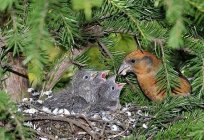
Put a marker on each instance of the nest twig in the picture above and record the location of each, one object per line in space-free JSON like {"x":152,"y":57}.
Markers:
{"x":63,"y":119}
{"x":77,"y":126}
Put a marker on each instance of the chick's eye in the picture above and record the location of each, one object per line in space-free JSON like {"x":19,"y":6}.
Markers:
{"x":132,"y":61}
{"x":112,"y":88}
{"x":86,"y":77}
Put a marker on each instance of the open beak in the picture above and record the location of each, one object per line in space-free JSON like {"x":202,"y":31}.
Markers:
{"x":120,"y":85}
{"x":104,"y":74}
{"x":124,"y":68}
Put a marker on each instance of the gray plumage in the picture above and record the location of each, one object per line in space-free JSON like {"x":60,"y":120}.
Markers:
{"x":76,"y":104}
{"x":82,"y":91}
{"x":108,"y":97}
{"x":57,"y":101}
{"x":82,"y":77}
{"x":88,"y":90}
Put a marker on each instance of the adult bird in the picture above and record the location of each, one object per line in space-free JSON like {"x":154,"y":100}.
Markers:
{"x":146,"y":66}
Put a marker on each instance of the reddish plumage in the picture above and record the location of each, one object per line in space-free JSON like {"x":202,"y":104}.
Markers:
{"x":145,"y":66}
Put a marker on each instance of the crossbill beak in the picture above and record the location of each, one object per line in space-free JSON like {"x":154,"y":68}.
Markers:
{"x":124,"y":68}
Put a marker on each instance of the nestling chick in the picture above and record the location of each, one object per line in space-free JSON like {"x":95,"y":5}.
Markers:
{"x":71,"y":103}
{"x":76,"y":104}
{"x":145,"y":66}
{"x":82,"y":76}
{"x":83,"y":88}
{"x":108,"y":96}
{"x":88,"y":88}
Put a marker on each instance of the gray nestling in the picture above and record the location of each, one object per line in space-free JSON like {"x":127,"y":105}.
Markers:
{"x":108,"y":96}
{"x":82,"y":91}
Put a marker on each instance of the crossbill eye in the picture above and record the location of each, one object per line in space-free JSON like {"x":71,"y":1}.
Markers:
{"x":132,"y":61}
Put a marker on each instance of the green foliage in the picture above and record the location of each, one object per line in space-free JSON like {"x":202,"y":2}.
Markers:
{"x":6,"y":4}
{"x":167,"y":73}
{"x":191,"y":127}
{"x":44,"y":32}
{"x":86,"y":5}
{"x":67,"y":23}
{"x":118,"y":46}
{"x":11,"y":120}
{"x":197,"y":70}
{"x":174,"y":14}
{"x":171,"y":119}
{"x":14,"y":39}
{"x":16,"y":31}
{"x":39,"y":41}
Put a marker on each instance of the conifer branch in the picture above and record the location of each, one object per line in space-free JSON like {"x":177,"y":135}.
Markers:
{"x":165,"y":68}
{"x":121,"y":6}
{"x":18,"y":125}
{"x":198,"y":5}
{"x":202,"y":88}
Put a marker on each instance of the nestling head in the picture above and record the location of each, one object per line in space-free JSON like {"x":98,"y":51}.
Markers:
{"x":101,"y":76}
{"x":89,"y":75}
{"x":138,"y":62}
{"x":110,"y":90}
{"x":84,"y":75}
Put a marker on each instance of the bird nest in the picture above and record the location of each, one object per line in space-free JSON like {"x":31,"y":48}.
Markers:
{"x":103,"y":125}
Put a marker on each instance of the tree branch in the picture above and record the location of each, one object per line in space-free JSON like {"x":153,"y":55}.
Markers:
{"x":60,"y":68}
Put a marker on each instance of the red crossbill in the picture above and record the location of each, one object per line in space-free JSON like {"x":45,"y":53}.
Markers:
{"x":146,"y":66}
